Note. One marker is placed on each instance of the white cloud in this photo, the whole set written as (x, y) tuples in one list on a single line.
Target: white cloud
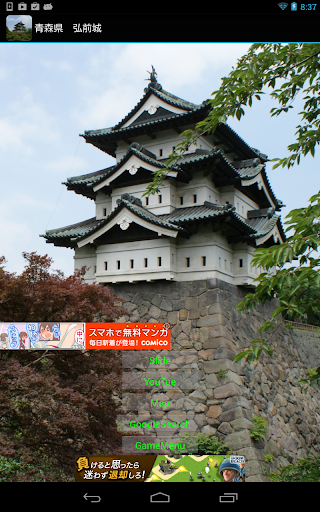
[(12, 20), (109, 91)]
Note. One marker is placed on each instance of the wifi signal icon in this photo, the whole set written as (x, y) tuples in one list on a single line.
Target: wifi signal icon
[(283, 5)]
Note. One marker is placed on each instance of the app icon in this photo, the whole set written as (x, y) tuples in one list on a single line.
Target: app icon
[(294, 6), (9, 6), (22, 6), (35, 6)]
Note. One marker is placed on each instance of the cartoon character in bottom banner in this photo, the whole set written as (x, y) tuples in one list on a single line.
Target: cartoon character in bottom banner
[(230, 471)]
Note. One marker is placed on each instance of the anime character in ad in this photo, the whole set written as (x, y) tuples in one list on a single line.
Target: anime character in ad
[(42, 335)]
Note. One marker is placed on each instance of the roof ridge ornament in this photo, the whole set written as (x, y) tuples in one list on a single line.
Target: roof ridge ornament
[(153, 79)]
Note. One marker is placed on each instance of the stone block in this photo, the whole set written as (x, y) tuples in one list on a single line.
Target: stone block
[(198, 396), (208, 430), (165, 305), (184, 340), (206, 355), (177, 416), (240, 424), (155, 312), (211, 380), (192, 303), (183, 314), (211, 320), (232, 377), (209, 297), (172, 317), (236, 401), (219, 342), (194, 314), (156, 299), (215, 308), (176, 330), (238, 441), (227, 390), (224, 352), (225, 428), (232, 414), (200, 419), (218, 364), (214, 411)]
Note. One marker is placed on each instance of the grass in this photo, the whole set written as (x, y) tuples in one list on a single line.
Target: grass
[(195, 467)]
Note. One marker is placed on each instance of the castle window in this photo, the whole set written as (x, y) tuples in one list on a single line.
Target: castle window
[(104, 212), (181, 200), (173, 149), (147, 201), (131, 263), (194, 198), (159, 261), (241, 263), (204, 261), (160, 198), (145, 262), (118, 264), (187, 262), (106, 265), (160, 152)]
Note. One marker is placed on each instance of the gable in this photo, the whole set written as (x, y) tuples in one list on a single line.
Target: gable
[(152, 108), (131, 166), (122, 221)]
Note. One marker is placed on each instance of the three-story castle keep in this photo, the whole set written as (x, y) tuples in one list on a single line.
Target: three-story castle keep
[(215, 206)]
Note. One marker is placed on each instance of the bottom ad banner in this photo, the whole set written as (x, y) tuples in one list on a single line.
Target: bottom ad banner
[(160, 468)]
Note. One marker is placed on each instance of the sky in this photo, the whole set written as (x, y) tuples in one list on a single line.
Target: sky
[(52, 92), (13, 19)]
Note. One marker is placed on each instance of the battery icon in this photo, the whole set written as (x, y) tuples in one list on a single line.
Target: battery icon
[(294, 6)]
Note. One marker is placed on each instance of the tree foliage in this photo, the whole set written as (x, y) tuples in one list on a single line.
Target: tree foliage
[(42, 294), (55, 403), (19, 33), (305, 470)]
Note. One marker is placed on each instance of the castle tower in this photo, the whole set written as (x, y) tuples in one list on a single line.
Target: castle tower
[(215, 206)]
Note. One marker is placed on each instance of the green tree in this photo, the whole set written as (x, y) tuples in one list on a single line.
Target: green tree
[(305, 470), (283, 71)]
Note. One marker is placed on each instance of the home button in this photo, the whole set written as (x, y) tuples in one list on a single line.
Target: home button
[(160, 497)]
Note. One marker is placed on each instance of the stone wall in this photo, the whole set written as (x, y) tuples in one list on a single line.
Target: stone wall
[(208, 330)]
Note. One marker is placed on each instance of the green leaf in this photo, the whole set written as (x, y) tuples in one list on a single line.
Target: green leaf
[(241, 355)]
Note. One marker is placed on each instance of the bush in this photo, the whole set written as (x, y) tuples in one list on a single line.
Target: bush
[(259, 427), (305, 470)]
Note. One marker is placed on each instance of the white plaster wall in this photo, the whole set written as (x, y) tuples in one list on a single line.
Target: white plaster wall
[(86, 256), (103, 201)]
